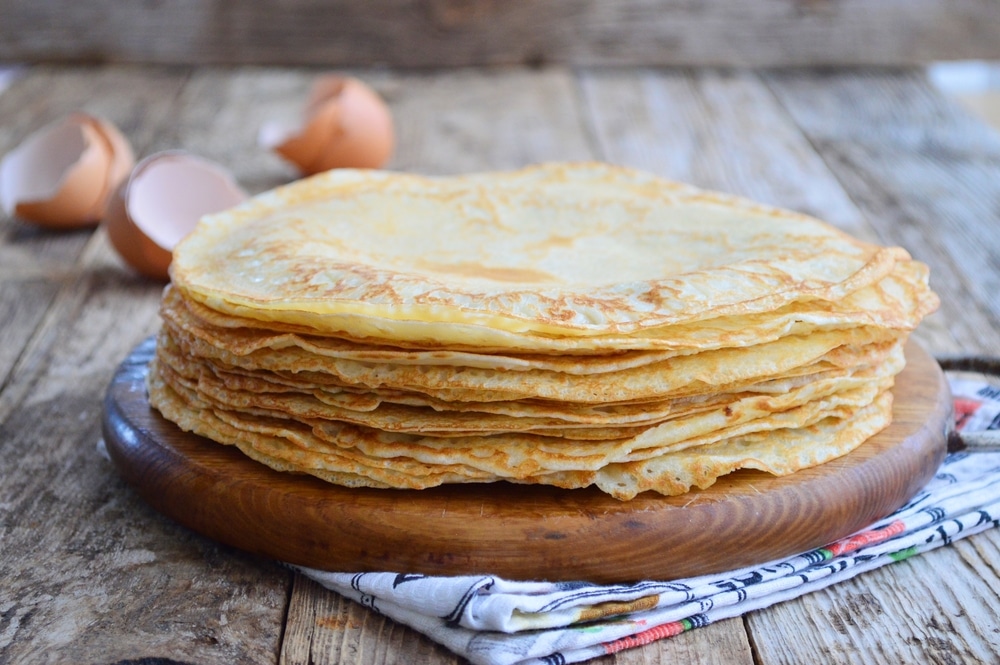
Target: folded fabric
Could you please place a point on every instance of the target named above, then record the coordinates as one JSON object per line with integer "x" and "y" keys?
{"x": 492, "y": 621}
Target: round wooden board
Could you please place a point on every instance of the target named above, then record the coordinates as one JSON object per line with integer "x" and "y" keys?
{"x": 524, "y": 532}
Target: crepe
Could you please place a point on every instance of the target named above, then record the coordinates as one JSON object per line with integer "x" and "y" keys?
{"x": 565, "y": 324}
{"x": 290, "y": 445}
{"x": 563, "y": 250}
{"x": 400, "y": 412}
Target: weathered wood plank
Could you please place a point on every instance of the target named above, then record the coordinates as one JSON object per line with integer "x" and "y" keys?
{"x": 20, "y": 316}
{"x": 88, "y": 572}
{"x": 717, "y": 129}
{"x": 223, "y": 110}
{"x": 925, "y": 173}
{"x": 469, "y": 121}
{"x": 77, "y": 544}
{"x": 481, "y": 32}
{"x": 324, "y": 627}
{"x": 936, "y": 608}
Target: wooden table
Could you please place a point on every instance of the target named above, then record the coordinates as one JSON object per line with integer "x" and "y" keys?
{"x": 90, "y": 574}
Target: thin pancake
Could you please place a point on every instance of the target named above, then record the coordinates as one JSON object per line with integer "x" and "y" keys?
{"x": 288, "y": 446}
{"x": 561, "y": 250}
{"x": 445, "y": 421}
{"x": 681, "y": 375}
{"x": 897, "y": 302}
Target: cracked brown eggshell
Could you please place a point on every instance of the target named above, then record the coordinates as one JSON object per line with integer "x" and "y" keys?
{"x": 161, "y": 202}
{"x": 345, "y": 124}
{"x": 62, "y": 175}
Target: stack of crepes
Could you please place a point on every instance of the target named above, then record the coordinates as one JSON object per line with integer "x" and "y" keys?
{"x": 564, "y": 324}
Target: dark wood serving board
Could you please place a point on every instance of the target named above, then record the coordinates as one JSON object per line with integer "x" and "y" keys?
{"x": 524, "y": 532}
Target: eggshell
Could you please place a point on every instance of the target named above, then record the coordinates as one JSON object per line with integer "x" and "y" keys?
{"x": 161, "y": 202}
{"x": 62, "y": 175}
{"x": 345, "y": 125}
{"x": 122, "y": 156}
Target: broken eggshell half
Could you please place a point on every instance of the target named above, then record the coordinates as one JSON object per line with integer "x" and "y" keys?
{"x": 161, "y": 202}
{"x": 62, "y": 175}
{"x": 345, "y": 124}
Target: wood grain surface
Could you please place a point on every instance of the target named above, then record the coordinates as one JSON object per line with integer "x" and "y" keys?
{"x": 524, "y": 532}
{"x": 89, "y": 573}
{"x": 462, "y": 33}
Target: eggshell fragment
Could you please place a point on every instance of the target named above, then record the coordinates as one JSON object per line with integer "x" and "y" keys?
{"x": 161, "y": 202}
{"x": 345, "y": 125}
{"x": 62, "y": 175}
{"x": 122, "y": 158}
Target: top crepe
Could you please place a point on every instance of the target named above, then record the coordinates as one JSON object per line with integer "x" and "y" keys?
{"x": 570, "y": 325}
{"x": 588, "y": 253}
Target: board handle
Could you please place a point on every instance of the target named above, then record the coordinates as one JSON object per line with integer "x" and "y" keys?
{"x": 985, "y": 440}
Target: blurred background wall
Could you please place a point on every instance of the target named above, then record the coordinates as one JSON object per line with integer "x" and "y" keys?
{"x": 448, "y": 33}
{"x": 958, "y": 40}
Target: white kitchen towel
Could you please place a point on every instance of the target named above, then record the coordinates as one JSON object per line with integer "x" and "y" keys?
{"x": 493, "y": 621}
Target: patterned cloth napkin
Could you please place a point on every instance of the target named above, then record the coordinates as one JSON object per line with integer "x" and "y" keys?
{"x": 492, "y": 621}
